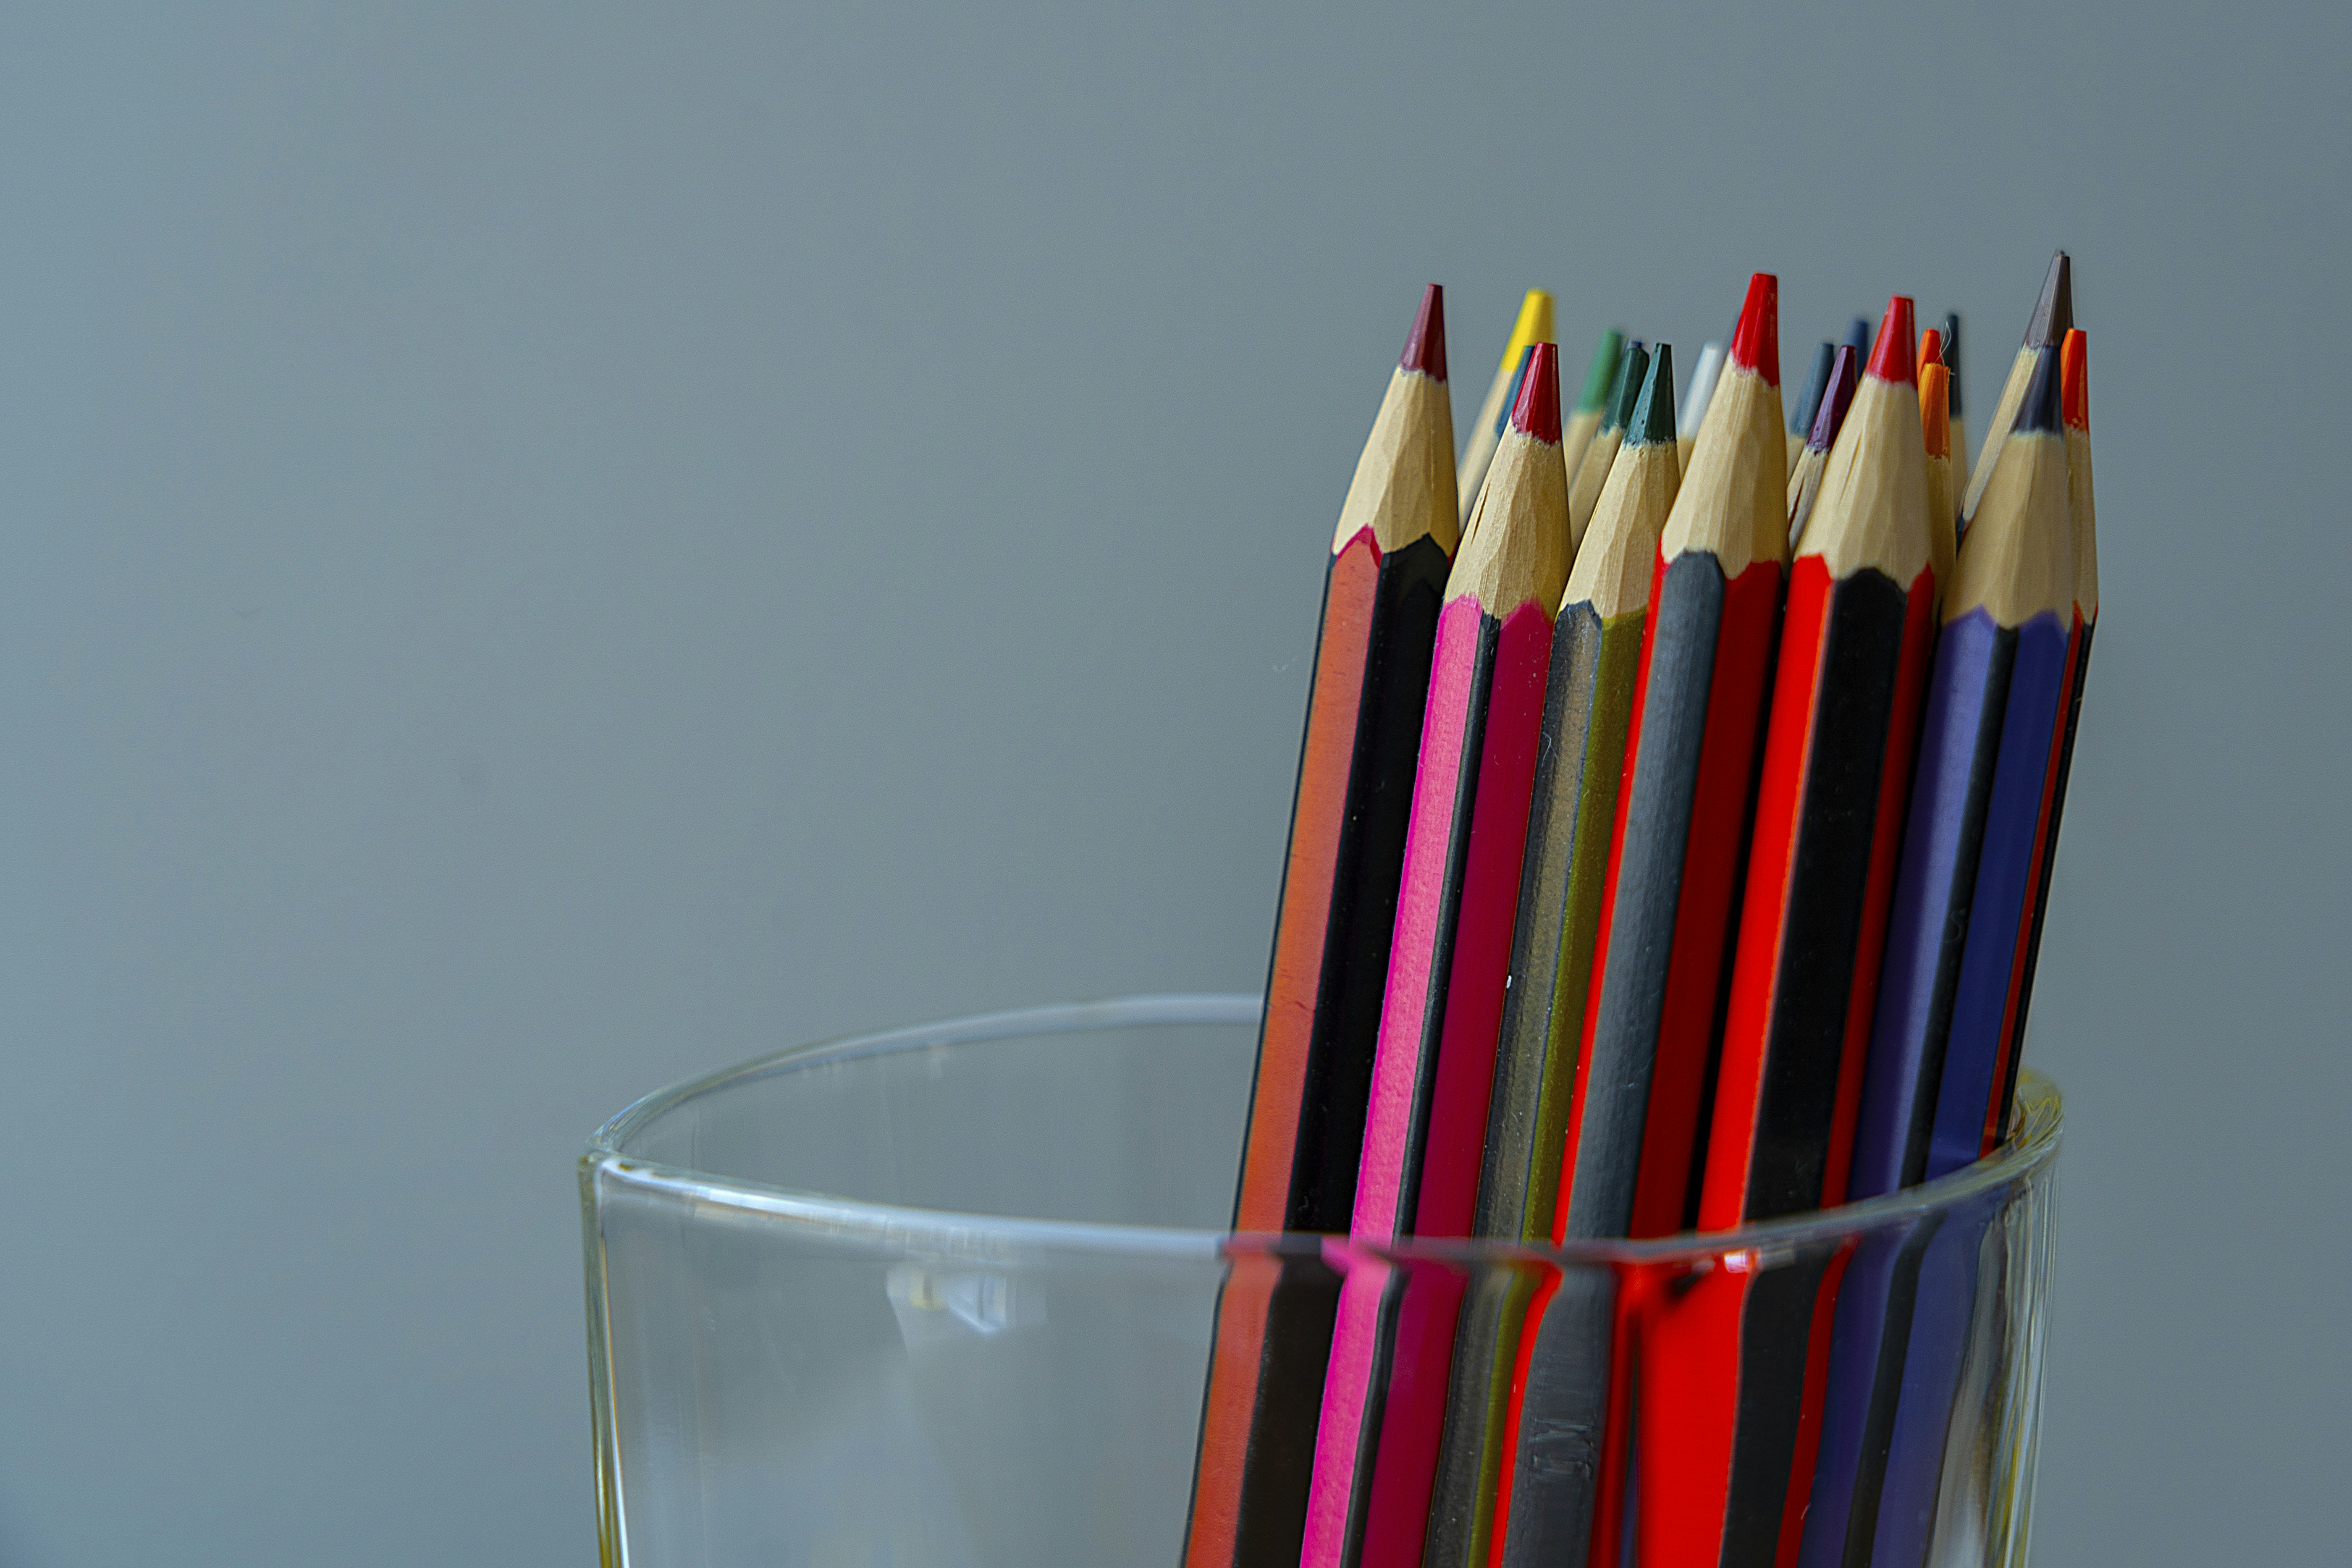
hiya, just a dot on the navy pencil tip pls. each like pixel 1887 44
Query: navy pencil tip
pixel 2040 410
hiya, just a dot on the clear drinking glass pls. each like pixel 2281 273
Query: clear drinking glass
pixel 947 1295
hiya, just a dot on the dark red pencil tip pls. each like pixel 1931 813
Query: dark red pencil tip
pixel 1891 359
pixel 1425 349
pixel 2075 378
pixel 1756 345
pixel 1537 413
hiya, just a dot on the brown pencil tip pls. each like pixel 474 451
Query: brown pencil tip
pixel 1425 349
pixel 2054 311
pixel 1891 359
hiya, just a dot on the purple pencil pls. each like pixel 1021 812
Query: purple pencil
pixel 1936 1050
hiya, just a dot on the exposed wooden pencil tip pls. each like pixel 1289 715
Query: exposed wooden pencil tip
pixel 1756 345
pixel 2038 413
pixel 1653 418
pixel 2075 378
pixel 1936 409
pixel 1837 397
pixel 1537 412
pixel 2054 311
pixel 1425 347
pixel 1891 359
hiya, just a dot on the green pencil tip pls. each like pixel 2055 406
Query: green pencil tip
pixel 1601 373
pixel 1652 417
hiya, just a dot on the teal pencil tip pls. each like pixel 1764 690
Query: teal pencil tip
pixel 1651 419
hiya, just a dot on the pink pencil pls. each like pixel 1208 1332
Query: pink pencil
pixel 1384 1394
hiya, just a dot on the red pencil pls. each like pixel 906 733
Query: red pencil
pixel 1660 952
pixel 1854 649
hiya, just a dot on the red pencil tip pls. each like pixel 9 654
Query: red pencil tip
pixel 2074 379
pixel 1424 350
pixel 1891 359
pixel 1757 344
pixel 1537 413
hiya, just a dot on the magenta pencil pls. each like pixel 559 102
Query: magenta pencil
pixel 1384 1391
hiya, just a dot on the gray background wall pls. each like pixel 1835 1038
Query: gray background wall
pixel 550 549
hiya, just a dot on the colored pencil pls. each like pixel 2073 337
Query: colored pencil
pixel 1936 431
pixel 1681 815
pixel 1591 404
pixel 1960 412
pixel 1390 558
pixel 1588 697
pixel 1857 338
pixel 1805 479
pixel 1384 1392
pixel 1995 703
pixel 1809 401
pixel 1694 401
pixel 1533 326
pixel 2054 313
pixel 1584 483
pixel 1855 648
pixel 2082 516
pixel 1637 1107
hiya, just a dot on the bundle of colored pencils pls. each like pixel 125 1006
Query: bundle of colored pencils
pixel 1671 851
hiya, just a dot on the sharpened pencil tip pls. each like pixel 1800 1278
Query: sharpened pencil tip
pixel 1857 338
pixel 1936 409
pixel 1891 359
pixel 2054 311
pixel 1425 347
pixel 1511 394
pixel 1701 390
pixel 1652 417
pixel 1801 413
pixel 2038 413
pixel 1628 385
pixel 1836 398
pixel 1931 349
pixel 2074 379
pixel 1536 411
pixel 1601 371
pixel 1756 345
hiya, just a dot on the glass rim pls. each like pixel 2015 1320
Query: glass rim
pixel 2031 1146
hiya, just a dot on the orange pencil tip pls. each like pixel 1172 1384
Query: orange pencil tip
pixel 1935 408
